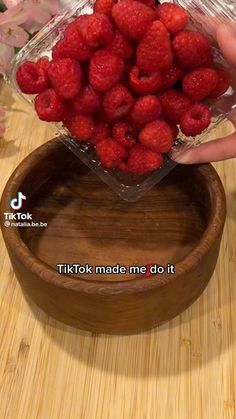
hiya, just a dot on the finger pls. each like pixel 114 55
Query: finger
pixel 226 38
pixel 212 151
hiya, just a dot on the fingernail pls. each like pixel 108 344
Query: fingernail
pixel 182 158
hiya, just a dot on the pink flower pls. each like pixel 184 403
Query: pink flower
pixel 26 13
pixel 10 31
pixel 11 3
pixel 13 36
pixel 21 17
pixel 6 55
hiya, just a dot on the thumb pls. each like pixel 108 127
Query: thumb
pixel 215 150
pixel 226 38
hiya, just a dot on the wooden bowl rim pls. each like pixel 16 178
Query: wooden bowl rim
pixel 16 245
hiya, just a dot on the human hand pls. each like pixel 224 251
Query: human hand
pixel 221 148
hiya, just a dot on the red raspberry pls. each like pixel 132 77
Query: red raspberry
pixel 121 46
pixel 101 131
pixel 118 102
pixel 73 46
pixel 124 134
pixel 148 267
pixel 65 76
pixel 104 6
pixel 87 101
pixel 192 49
pixel 146 109
pixel 142 160
pixel 174 104
pixel 32 78
pixel 158 136
pixel 175 130
pixel 132 18
pixel 172 16
pixel 222 85
pixel 110 153
pixel 195 120
pixel 43 63
pixel 199 83
pixel 49 106
pixel 150 3
pixel 144 83
pixel 78 25
pixel 123 166
pixel 105 69
pixel 97 31
pixel 81 126
pixel 171 76
pixel 154 50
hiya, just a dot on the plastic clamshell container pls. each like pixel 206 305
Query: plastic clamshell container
pixel 204 15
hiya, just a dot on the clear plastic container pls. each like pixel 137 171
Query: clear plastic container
pixel 204 16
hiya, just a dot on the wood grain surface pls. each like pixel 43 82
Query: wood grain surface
pixel 184 369
pixel 88 223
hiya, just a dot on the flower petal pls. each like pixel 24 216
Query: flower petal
pixel 6 55
pixel 13 35
pixel 39 14
pixel 51 6
pixel 15 15
pixel 11 3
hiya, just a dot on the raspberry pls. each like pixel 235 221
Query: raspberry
pixel 144 83
pixel 172 16
pixel 65 76
pixel 118 102
pixel 101 131
pixel 87 101
pixel 32 78
pixel 104 6
pixel 148 267
pixel 154 50
pixel 146 109
pixel 175 130
pixel 124 134
pixel 195 120
pixel 105 69
pixel 73 46
pixel 199 83
pixel 110 153
pixel 158 136
pixel 150 3
pixel 171 76
pixel 49 106
pixel 174 104
pixel 123 166
pixel 222 85
pixel 97 31
pixel 142 160
pixel 121 46
pixel 77 25
pixel 81 126
pixel 43 63
pixel 192 49
pixel 132 18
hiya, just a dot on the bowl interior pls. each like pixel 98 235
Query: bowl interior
pixel 88 223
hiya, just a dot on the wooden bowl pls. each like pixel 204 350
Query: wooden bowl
pixel 179 222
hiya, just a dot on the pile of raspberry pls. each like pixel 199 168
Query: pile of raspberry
pixel 126 78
